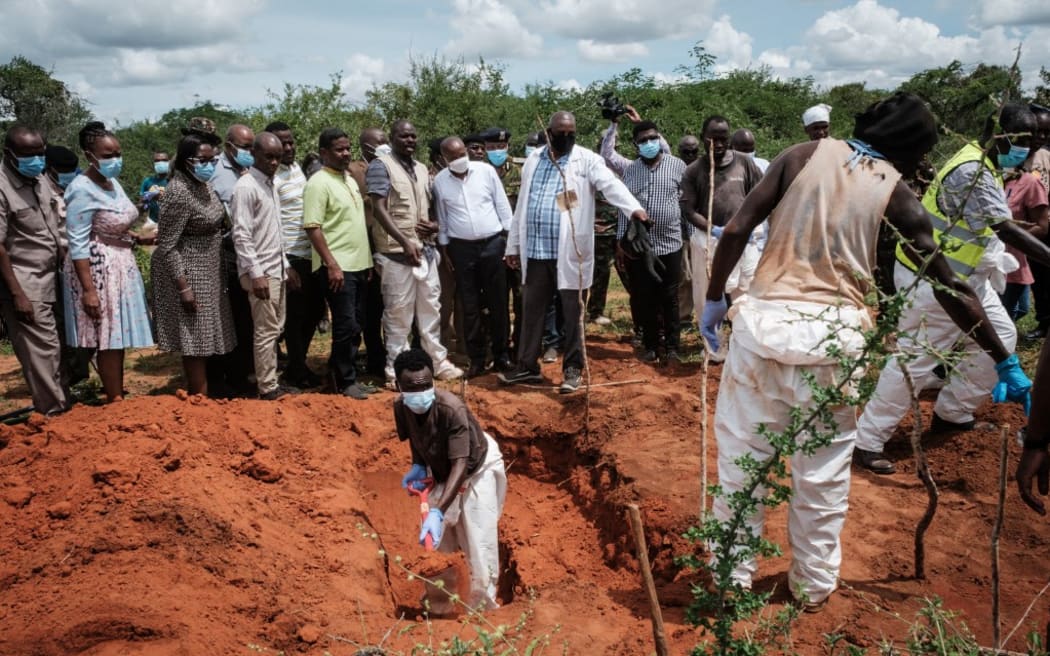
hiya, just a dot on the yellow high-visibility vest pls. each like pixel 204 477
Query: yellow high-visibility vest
pixel 960 244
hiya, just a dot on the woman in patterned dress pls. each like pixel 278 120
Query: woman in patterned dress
pixel 191 309
pixel 104 294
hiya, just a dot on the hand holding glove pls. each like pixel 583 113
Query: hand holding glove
pixel 1013 384
pixel 414 477
pixel 711 322
pixel 433 525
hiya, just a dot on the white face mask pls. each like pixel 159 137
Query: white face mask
pixel 459 165
pixel 383 149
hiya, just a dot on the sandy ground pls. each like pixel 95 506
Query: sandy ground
pixel 174 525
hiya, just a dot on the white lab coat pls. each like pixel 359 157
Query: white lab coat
pixel 585 173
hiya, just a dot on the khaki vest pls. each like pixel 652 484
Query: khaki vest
pixel 408 203
pixel 823 232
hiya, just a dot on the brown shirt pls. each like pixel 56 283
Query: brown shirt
pixel 29 230
pixel 735 176
pixel 447 432
pixel 357 172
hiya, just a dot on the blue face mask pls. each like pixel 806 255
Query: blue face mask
pixel 529 149
pixel 649 149
pixel 204 172
pixel 110 167
pixel 244 158
pixel 65 178
pixel 161 168
pixel 419 402
pixel 31 166
pixel 497 157
pixel 1014 158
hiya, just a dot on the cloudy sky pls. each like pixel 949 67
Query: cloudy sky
pixel 134 60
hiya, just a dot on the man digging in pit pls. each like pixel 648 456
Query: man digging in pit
pixel 465 464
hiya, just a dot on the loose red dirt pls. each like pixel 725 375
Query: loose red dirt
pixel 166 525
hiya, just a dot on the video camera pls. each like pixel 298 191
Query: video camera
pixel 611 107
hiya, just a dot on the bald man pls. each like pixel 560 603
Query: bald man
pixel 551 241
pixel 29 259
pixel 743 141
pixel 262 265
pixel 688 149
pixel 371 143
pixel 229 374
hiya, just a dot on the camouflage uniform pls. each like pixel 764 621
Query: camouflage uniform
pixel 510 176
pixel 605 218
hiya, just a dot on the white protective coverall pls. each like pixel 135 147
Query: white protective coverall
pixel 471 526
pixel 807 295
pixel 925 328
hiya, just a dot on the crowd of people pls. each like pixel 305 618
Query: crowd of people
pixel 502 260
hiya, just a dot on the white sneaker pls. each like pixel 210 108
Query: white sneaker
pixel 448 371
pixel 602 321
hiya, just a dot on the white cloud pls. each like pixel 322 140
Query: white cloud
pixel 1014 12
pixel 871 43
pixel 593 51
pixel 152 67
pixel 489 28
pixel 569 85
pixel 107 43
pixel 730 46
pixel 362 72
pixel 618 21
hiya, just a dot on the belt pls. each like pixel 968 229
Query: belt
pixel 117 241
pixel 475 241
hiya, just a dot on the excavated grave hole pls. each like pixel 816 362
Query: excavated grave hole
pixel 543 471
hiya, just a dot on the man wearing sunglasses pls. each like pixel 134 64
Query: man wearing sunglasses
pixel 971 220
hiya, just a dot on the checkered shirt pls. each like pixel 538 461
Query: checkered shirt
pixel 658 190
pixel 542 216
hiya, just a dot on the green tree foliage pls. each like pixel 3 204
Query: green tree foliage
pixel 962 100
pixel 30 96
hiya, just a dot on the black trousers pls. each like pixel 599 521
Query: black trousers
pixel 228 374
pixel 481 286
pixel 656 301
pixel 375 345
pixel 604 253
pixel 348 315
pixel 541 282
pixel 305 309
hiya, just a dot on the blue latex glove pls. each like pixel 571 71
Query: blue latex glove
pixel 434 524
pixel 716 232
pixel 711 321
pixel 1013 384
pixel 414 475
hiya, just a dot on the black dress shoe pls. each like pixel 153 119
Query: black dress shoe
pixel 873 461
pixel 939 425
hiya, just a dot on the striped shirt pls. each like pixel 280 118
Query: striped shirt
pixel 290 183
pixel 658 190
pixel 542 217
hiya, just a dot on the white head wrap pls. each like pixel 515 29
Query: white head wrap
pixel 816 114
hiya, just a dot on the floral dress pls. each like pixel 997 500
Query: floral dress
pixel 189 244
pixel 97 221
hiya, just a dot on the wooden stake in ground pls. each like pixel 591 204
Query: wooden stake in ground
pixel 922 470
pixel 707 346
pixel 659 636
pixel 996 530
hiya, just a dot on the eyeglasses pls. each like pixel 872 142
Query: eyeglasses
pixel 200 160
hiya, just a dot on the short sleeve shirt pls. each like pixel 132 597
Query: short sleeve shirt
pixel 29 230
pixel 448 432
pixel 333 203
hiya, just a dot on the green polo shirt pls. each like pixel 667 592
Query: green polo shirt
pixel 333 203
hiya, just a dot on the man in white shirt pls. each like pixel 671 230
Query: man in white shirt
pixel 261 262
pixel 474 215
pixel 305 307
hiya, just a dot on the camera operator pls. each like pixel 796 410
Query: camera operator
pixel 613 110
